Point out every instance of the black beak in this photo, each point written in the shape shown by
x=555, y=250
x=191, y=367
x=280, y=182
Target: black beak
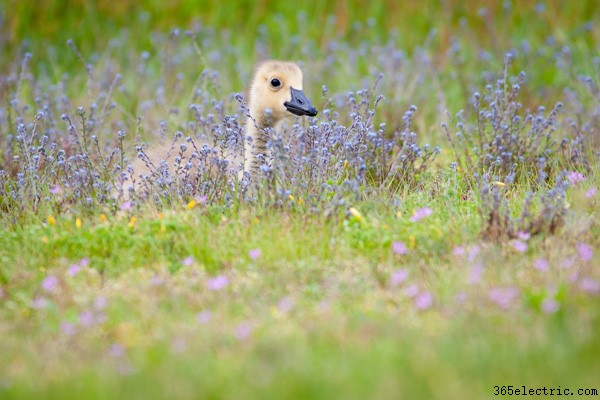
x=300, y=105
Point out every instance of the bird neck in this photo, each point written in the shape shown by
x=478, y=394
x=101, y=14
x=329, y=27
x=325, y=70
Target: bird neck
x=255, y=143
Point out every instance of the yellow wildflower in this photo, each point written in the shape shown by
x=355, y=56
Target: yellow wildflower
x=132, y=222
x=291, y=197
x=275, y=312
x=102, y=218
x=78, y=223
x=51, y=220
x=191, y=204
x=355, y=213
x=398, y=214
x=346, y=164
x=300, y=201
x=411, y=242
x=498, y=183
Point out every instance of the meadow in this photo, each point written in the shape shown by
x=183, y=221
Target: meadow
x=432, y=233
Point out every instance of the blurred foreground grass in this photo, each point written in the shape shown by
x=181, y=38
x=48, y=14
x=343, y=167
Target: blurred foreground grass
x=199, y=303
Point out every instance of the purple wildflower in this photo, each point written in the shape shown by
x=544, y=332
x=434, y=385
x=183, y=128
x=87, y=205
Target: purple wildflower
x=476, y=272
x=573, y=277
x=541, y=264
x=55, y=189
x=421, y=213
x=585, y=251
x=398, y=276
x=575, y=177
x=591, y=193
x=87, y=319
x=519, y=246
x=567, y=262
x=503, y=297
x=473, y=252
x=217, y=283
x=68, y=328
x=40, y=302
x=412, y=290
x=243, y=331
x=100, y=303
x=204, y=317
x=589, y=285
x=188, y=261
x=399, y=248
x=156, y=280
x=285, y=305
x=84, y=262
x=49, y=283
x=549, y=305
x=458, y=251
x=73, y=269
x=254, y=253
x=523, y=235
x=126, y=206
x=116, y=350
x=423, y=301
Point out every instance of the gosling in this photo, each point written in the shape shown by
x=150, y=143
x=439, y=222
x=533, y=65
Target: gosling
x=275, y=94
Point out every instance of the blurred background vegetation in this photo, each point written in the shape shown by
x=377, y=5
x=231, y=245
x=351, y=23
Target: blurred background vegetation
x=434, y=53
x=43, y=27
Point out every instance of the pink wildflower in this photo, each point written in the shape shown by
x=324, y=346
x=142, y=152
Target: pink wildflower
x=204, y=317
x=398, y=276
x=399, y=248
x=575, y=177
x=585, y=251
x=503, y=297
x=589, y=285
x=421, y=213
x=255, y=253
x=423, y=301
x=49, y=283
x=541, y=264
x=217, y=283
x=550, y=306
x=519, y=246
x=188, y=261
x=243, y=331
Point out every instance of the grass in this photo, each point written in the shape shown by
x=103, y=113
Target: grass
x=315, y=315
x=342, y=279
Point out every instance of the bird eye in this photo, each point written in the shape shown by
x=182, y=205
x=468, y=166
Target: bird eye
x=275, y=82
